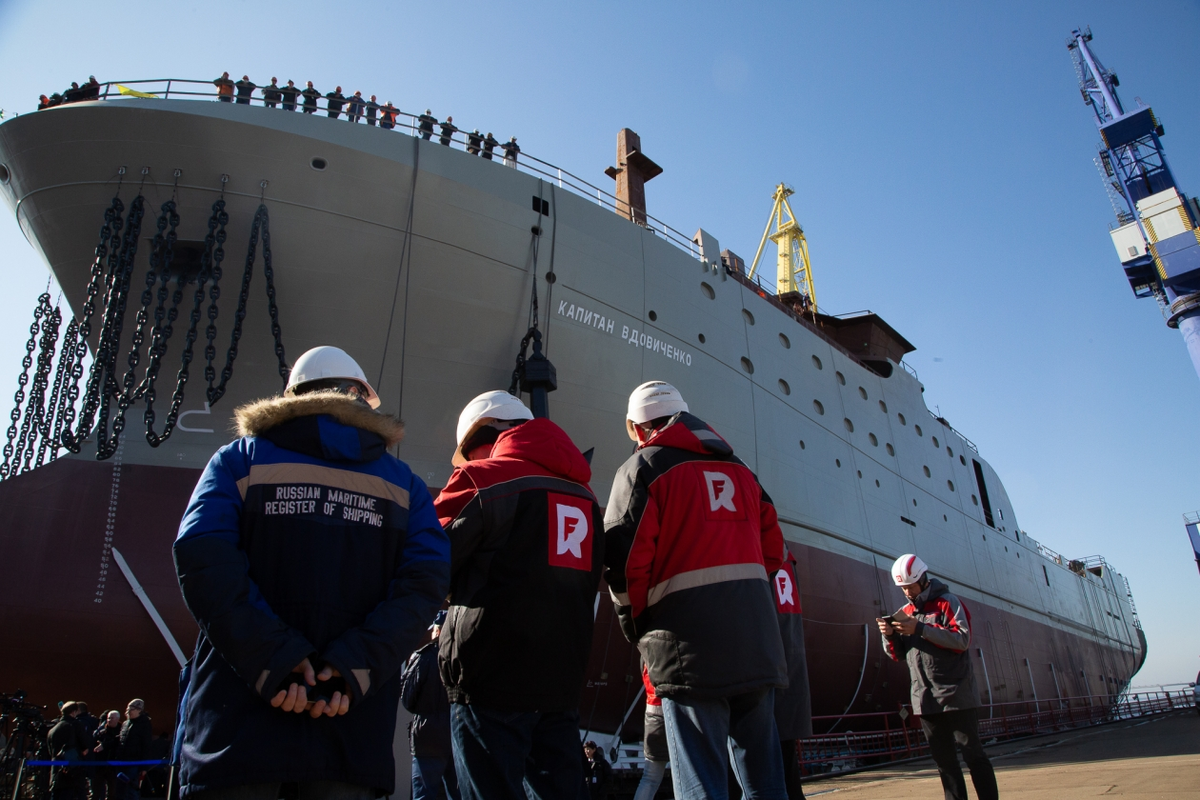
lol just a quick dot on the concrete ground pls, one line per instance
(1148, 758)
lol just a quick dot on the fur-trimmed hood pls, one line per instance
(255, 419)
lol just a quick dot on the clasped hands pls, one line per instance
(295, 699)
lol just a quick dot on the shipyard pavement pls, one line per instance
(1142, 758)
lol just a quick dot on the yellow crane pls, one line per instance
(794, 281)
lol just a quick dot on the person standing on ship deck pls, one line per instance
(933, 635)
(527, 546)
(474, 140)
(224, 88)
(245, 88)
(425, 124)
(387, 115)
(448, 131)
(489, 144)
(693, 537)
(354, 109)
(289, 94)
(313, 562)
(510, 152)
(271, 93)
(310, 98)
(372, 110)
(333, 102)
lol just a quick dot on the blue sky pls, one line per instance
(942, 162)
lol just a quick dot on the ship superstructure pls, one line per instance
(421, 260)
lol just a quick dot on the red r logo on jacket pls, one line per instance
(570, 521)
(787, 599)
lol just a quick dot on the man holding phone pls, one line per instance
(933, 635)
(313, 562)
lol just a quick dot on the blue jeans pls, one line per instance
(308, 790)
(433, 778)
(516, 755)
(705, 735)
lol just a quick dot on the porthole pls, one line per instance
(820, 409)
(945, 518)
(653, 317)
(927, 472)
(949, 452)
(962, 460)
(859, 474)
(841, 379)
(883, 406)
(974, 500)
(785, 341)
(901, 418)
(917, 428)
(891, 450)
(874, 440)
(701, 338)
(551, 277)
(838, 461)
(5, 176)
(801, 444)
(747, 366)
(319, 164)
(951, 485)
(862, 393)
(877, 483)
(783, 386)
(1000, 511)
(817, 363)
(749, 317)
(935, 442)
(985, 537)
(849, 425)
(914, 501)
(708, 291)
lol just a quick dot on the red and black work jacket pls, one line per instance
(692, 538)
(793, 705)
(938, 652)
(527, 547)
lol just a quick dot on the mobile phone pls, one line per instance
(888, 619)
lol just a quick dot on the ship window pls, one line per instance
(701, 338)
(945, 518)
(838, 461)
(708, 291)
(974, 500)
(4, 174)
(783, 386)
(862, 393)
(962, 460)
(860, 474)
(874, 440)
(319, 164)
(801, 444)
(901, 418)
(917, 428)
(883, 406)
(820, 409)
(749, 317)
(1000, 511)
(908, 521)
(949, 452)
(841, 379)
(747, 366)
(914, 501)
(935, 442)
(785, 341)
(849, 425)
(926, 471)
(983, 494)
(817, 363)
(891, 450)
(951, 485)
(876, 483)
(541, 205)
(653, 316)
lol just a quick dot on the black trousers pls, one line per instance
(945, 730)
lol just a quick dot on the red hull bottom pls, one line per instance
(73, 629)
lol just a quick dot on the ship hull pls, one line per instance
(421, 261)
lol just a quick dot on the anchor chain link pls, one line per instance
(9, 466)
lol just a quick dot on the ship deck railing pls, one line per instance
(878, 738)
(407, 122)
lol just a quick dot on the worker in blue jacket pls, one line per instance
(313, 562)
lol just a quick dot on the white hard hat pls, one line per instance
(653, 400)
(328, 363)
(494, 405)
(908, 570)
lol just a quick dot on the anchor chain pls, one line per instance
(35, 410)
(9, 466)
(51, 431)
